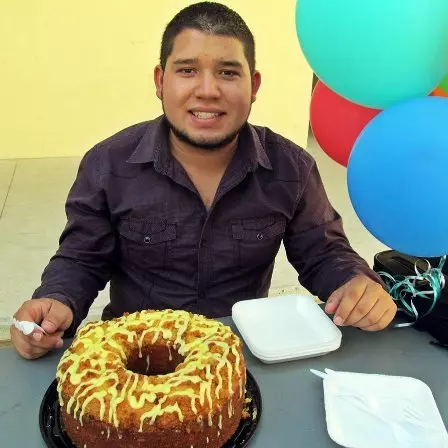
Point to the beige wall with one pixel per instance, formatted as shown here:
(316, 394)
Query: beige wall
(72, 73)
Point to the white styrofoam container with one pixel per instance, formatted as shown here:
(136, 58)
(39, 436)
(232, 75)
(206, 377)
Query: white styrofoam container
(285, 328)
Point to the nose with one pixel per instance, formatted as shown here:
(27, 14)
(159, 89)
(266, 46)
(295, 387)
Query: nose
(207, 86)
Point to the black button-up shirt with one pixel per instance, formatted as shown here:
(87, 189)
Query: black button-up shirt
(135, 219)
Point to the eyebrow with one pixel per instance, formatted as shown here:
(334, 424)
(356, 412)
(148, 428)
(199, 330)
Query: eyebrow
(185, 61)
(230, 63)
(221, 62)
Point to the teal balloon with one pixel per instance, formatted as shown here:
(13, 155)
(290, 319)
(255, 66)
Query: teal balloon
(375, 52)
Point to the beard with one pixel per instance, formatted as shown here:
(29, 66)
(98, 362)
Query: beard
(210, 144)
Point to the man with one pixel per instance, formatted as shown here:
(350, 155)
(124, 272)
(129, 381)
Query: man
(188, 211)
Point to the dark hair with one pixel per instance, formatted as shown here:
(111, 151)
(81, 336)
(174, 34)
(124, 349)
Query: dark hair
(210, 18)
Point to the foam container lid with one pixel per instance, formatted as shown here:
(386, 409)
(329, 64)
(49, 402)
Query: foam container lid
(372, 410)
(285, 328)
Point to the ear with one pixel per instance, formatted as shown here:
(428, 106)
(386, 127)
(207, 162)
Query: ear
(158, 80)
(256, 82)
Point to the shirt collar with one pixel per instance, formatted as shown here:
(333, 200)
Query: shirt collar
(153, 147)
(251, 144)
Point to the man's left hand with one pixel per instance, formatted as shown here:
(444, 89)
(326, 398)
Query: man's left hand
(362, 303)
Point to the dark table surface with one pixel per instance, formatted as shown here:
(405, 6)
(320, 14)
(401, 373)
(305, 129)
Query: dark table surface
(293, 409)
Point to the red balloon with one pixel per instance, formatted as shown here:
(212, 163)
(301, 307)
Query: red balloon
(337, 122)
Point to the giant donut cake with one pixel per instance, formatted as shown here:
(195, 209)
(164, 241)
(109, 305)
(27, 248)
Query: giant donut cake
(152, 379)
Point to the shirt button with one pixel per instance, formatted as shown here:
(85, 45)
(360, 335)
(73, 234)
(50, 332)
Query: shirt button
(260, 236)
(147, 239)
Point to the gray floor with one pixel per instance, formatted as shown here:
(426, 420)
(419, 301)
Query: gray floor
(32, 196)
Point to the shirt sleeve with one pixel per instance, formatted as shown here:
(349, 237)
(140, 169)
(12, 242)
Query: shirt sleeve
(81, 266)
(316, 244)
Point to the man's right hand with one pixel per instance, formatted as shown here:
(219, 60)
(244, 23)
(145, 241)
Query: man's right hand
(52, 315)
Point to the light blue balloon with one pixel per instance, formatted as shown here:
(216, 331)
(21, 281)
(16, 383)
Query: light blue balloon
(375, 52)
(398, 177)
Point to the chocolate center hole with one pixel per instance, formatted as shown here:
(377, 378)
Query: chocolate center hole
(154, 360)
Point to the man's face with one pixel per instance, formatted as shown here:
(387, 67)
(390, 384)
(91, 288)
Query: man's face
(206, 88)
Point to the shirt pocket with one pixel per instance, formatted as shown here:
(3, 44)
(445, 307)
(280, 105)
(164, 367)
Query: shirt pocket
(257, 240)
(147, 243)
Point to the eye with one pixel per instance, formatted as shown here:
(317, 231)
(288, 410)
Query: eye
(186, 71)
(230, 73)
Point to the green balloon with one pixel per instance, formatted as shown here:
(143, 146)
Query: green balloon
(444, 84)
